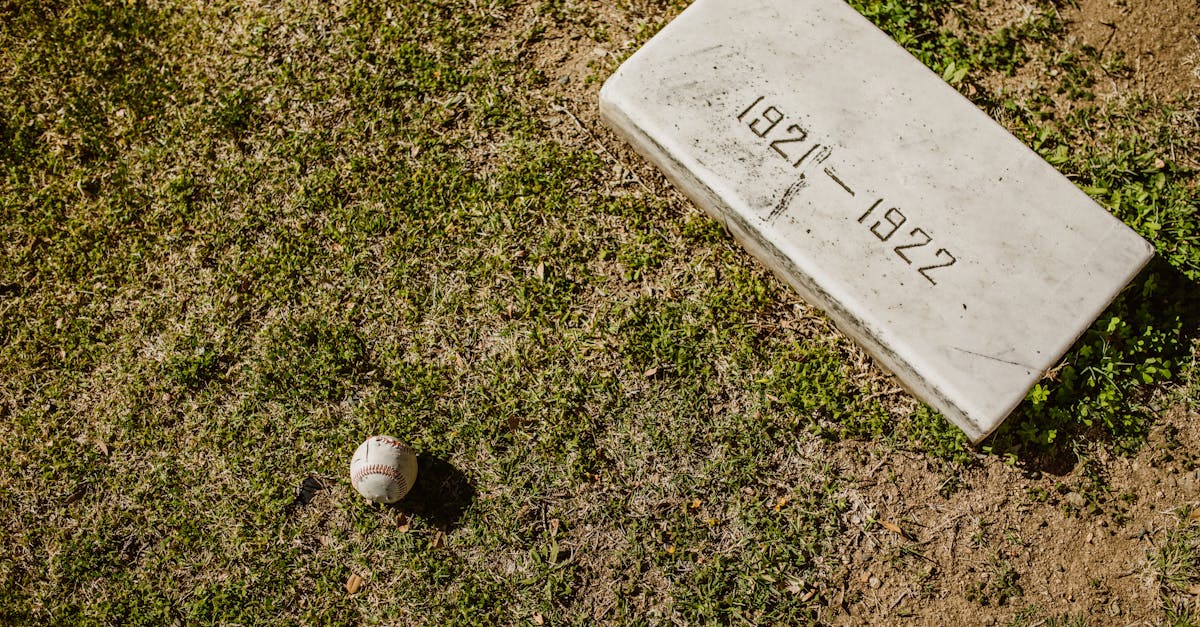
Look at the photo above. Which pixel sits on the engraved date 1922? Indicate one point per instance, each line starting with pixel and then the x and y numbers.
pixel 790 141
pixel 894 220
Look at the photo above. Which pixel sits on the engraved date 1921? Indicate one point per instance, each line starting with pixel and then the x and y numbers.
pixel 791 141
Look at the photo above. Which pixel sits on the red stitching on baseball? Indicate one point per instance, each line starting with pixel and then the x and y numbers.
pixel 379 469
pixel 394 443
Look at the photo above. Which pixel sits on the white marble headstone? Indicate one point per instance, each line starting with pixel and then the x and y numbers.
pixel 962 261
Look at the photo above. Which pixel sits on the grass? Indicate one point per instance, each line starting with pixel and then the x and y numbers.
pixel 240 238
pixel 1176 571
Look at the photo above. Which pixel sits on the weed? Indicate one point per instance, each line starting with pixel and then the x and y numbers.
pixel 998 585
pixel 1175 567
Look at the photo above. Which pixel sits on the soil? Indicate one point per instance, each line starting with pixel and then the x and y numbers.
pixel 927 544
pixel 1069 552
pixel 1160 40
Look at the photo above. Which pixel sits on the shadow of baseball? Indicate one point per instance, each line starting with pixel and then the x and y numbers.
pixel 440 495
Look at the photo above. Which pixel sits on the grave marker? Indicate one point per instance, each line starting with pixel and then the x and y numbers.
pixel 962 261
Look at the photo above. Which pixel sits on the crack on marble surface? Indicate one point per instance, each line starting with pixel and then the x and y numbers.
pixel 993 358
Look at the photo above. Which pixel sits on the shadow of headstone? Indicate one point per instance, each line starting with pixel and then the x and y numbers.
pixel 1161 298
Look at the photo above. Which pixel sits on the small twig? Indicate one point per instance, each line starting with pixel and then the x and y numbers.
pixel 953 539
pixel 915 553
pixel 891 392
pixel 873 540
pixel 579 123
pixel 1130 573
pixel 1112 32
pixel 876 467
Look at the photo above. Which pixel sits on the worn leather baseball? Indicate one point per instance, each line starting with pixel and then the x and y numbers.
pixel 383 469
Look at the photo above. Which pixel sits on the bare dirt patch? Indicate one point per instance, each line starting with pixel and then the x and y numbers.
pixel 1159 40
pixel 1112 48
pixel 932 546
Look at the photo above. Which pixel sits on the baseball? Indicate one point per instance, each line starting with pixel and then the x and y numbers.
pixel 383 469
